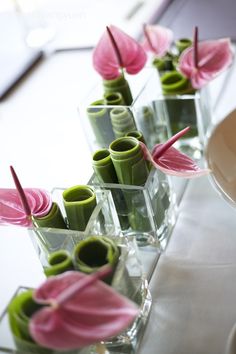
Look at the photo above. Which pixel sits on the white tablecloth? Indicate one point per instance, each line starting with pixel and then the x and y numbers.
pixel 194 287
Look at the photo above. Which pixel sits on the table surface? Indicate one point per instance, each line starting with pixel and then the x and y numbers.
pixel 193 285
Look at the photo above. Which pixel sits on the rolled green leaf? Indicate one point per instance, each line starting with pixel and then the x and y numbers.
pixel 100 122
pixel 103 166
pixel 79 202
pixel 114 99
pixel 20 309
pixel 164 64
pixel 182 44
pixel 181 112
pixel 137 134
pixel 59 262
pixel 105 172
pixel 128 159
pixel 174 83
pixel 121 85
pixel 132 169
pixel 122 121
pixel 53 219
pixel 150 125
pixel 94 252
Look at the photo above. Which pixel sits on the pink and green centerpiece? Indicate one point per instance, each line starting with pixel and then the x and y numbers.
pixel 69 313
pixel 122 101
pixel 185 100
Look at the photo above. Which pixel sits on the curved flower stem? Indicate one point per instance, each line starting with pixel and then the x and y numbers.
pixel 164 147
pixel 195 47
pixel 145 31
pixel 115 47
pixel 21 192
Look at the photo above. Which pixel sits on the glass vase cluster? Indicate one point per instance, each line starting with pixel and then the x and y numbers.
pixel 105 115
pixel 61 250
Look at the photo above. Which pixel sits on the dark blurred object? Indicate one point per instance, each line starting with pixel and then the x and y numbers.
pixel 16 58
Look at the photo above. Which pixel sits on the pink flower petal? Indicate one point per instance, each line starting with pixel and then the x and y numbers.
pixel 175 163
pixel 213 57
pixel 172 162
pixel 159 39
pixel 105 59
pixel 12 211
pixel 43 202
pixel 93 313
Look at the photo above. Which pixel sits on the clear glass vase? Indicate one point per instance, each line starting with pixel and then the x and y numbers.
pixel 147 212
pixel 130 276
pixel 105 118
pixel 181 111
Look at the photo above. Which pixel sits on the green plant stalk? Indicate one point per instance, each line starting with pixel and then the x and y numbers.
pixel 94 252
pixel 150 125
pixel 79 202
pixel 182 44
pixel 100 122
pixel 122 121
pixel 53 219
pixel 121 85
pixel 181 112
pixel 128 159
pixel 137 134
pixel 131 169
pixel 114 99
pixel 105 172
pixel 59 262
pixel 165 63
pixel 103 166
pixel 20 309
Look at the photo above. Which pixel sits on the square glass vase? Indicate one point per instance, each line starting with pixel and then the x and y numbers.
pixel 129 277
pixel 146 212
pixel 180 111
pixel 104 117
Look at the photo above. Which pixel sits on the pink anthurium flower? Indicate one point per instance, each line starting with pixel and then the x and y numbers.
pixel 12 211
pixel 205 60
pixel 157 40
pixel 82 310
pixel 170 161
pixel 17 206
pixel 116 51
